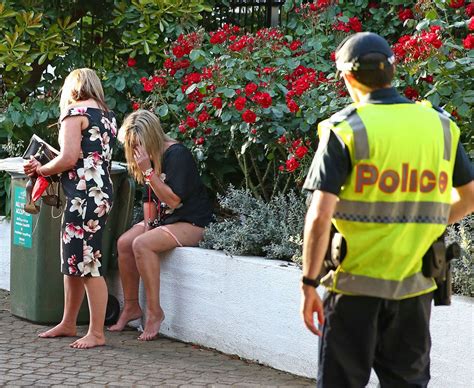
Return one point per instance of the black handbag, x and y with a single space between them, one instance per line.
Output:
43 153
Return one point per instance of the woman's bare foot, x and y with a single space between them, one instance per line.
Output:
89 341
152 326
60 330
128 314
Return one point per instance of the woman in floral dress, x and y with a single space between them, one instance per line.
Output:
87 136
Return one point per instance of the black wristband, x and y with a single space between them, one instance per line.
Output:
311 282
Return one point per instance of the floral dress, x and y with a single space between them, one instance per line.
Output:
89 194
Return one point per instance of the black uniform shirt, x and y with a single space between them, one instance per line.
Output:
332 163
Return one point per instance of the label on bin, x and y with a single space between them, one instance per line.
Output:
22 221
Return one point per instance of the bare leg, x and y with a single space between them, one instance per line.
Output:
73 296
146 249
97 295
130 278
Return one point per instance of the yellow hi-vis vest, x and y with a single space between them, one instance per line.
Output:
395 202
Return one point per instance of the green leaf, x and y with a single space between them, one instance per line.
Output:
229 93
194 55
43 116
250 75
120 84
111 102
450 65
191 89
226 116
162 110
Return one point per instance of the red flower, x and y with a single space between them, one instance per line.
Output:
131 62
135 106
249 117
263 99
207 131
301 151
191 107
468 42
292 105
239 103
199 141
250 88
456 3
217 102
470 26
253 131
292 164
218 37
355 24
191 122
182 64
405 14
281 167
411 93
148 86
296 143
182 128
168 64
268 70
282 139
203 117
179 51
295 45
470 9
159 80
455 114
333 56
428 79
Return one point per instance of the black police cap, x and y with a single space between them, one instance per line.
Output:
352 50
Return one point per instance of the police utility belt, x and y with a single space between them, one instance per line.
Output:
436 264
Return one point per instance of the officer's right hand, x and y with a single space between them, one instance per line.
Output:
311 303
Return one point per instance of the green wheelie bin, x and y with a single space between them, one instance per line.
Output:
36 283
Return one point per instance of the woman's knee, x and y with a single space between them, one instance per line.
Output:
139 247
124 244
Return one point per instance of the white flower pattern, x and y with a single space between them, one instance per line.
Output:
88 188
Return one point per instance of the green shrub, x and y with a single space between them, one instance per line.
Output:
463 234
272 229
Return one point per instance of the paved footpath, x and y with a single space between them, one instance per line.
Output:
26 359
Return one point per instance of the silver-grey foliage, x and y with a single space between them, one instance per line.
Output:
463 234
272 229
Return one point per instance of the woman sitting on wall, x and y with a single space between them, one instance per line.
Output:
176 210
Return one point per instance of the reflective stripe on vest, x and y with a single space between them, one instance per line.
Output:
393 212
382 288
361 141
445 122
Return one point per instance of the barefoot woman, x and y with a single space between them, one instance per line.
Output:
176 210
87 135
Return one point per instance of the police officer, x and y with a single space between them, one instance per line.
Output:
384 174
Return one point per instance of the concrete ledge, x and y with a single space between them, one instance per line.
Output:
249 306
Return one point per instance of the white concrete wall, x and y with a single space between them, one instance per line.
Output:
5 253
250 307
247 306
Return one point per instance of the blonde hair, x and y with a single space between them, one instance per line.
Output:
143 127
80 85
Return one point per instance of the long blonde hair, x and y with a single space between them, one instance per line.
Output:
143 127
80 85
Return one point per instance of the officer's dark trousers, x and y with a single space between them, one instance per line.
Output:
362 332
